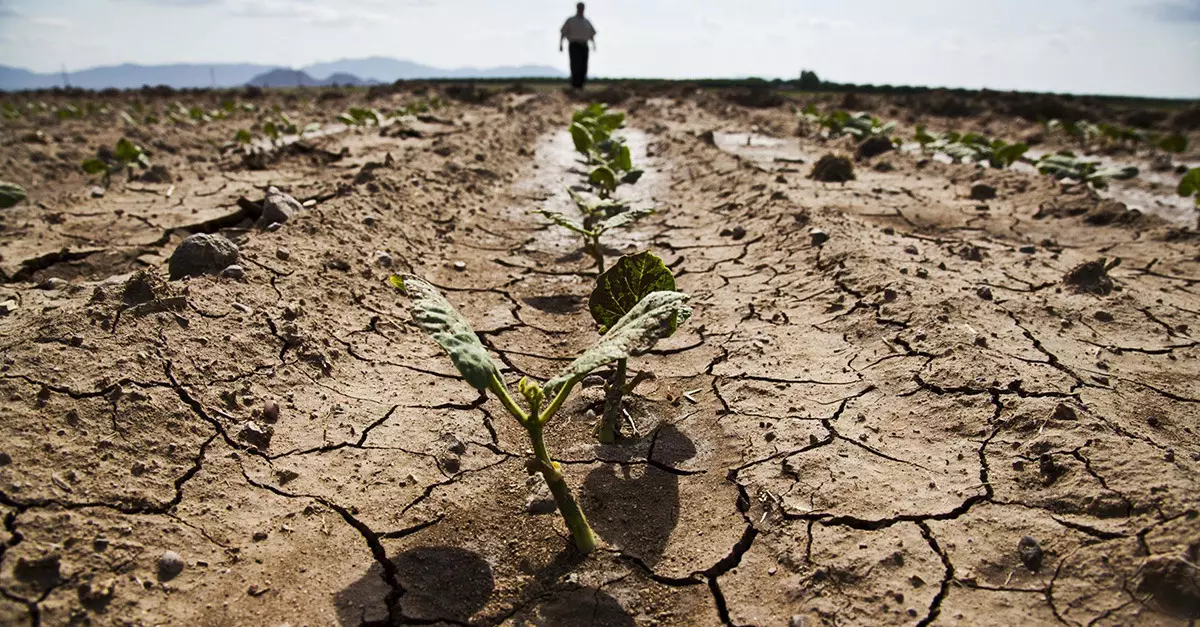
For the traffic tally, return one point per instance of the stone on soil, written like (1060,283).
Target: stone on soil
(202,253)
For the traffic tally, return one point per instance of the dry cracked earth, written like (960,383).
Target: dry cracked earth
(855,431)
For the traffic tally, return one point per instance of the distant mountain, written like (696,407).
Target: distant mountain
(299,78)
(131,76)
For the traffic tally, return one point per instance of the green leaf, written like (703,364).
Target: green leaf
(434,314)
(1173,143)
(654,317)
(242,137)
(563,221)
(126,151)
(346,118)
(623,285)
(621,219)
(632,176)
(624,160)
(611,121)
(95,166)
(604,178)
(1008,155)
(10,194)
(582,139)
(271,130)
(1189,185)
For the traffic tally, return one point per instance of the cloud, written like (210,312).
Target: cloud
(308,11)
(1178,11)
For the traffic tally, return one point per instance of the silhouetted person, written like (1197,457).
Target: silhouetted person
(578,31)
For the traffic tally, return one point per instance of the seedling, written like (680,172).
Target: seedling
(1189,185)
(653,318)
(356,116)
(592,234)
(125,157)
(607,156)
(618,291)
(836,123)
(971,147)
(1065,165)
(10,194)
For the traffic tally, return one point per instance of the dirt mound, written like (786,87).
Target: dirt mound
(1092,277)
(832,168)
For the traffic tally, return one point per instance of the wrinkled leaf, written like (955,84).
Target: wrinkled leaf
(582,139)
(95,166)
(623,285)
(437,317)
(654,317)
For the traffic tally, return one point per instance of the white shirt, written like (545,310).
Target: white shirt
(578,29)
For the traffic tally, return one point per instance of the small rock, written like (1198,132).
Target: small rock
(170,564)
(912,250)
(257,435)
(1030,553)
(5,458)
(818,236)
(259,536)
(283,254)
(278,208)
(202,253)
(460,266)
(383,259)
(53,283)
(338,264)
(983,191)
(455,445)
(799,621)
(922,273)
(540,500)
(1028,250)
(97,192)
(8,306)
(270,412)
(256,590)
(243,308)
(984,292)
(235,272)
(369,220)
(451,464)
(284,476)
(1103,316)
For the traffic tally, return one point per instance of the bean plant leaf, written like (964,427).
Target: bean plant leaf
(1173,143)
(621,219)
(624,160)
(654,317)
(1189,185)
(632,176)
(563,221)
(437,317)
(582,138)
(126,151)
(242,137)
(603,177)
(95,166)
(10,194)
(625,284)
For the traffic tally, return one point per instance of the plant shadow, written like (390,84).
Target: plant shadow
(636,507)
(442,583)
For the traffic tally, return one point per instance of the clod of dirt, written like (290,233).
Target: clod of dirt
(1091,277)
(884,166)
(52,283)
(1049,470)
(202,253)
(5,459)
(170,564)
(833,168)
(96,595)
(258,436)
(984,292)
(1064,412)
(278,207)
(1030,553)
(42,571)
(1111,212)
(874,146)
(818,236)
(1174,583)
(235,272)
(1103,316)
(383,259)
(156,174)
(736,233)
(143,287)
(983,191)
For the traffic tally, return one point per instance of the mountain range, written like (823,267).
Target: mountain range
(344,72)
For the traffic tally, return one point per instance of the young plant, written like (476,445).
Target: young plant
(654,317)
(618,291)
(1189,185)
(124,158)
(607,155)
(836,123)
(592,234)
(1065,165)
(971,147)
(356,116)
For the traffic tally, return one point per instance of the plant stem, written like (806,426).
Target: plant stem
(612,404)
(597,254)
(585,539)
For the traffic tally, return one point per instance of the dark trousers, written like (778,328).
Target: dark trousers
(579,59)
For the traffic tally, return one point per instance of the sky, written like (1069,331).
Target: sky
(1127,47)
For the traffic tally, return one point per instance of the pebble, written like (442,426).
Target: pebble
(53,283)
(383,259)
(170,564)
(283,254)
(278,208)
(984,292)
(234,272)
(983,191)
(818,236)
(270,412)
(1028,250)
(912,250)
(1103,316)
(1030,553)
(8,306)
(539,501)
(243,308)
(460,266)
(97,192)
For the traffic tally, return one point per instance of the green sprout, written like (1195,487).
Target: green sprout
(618,291)
(836,123)
(653,318)
(124,158)
(971,147)
(607,155)
(592,234)
(1189,185)
(1066,165)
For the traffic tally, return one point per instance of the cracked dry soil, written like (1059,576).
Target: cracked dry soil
(870,426)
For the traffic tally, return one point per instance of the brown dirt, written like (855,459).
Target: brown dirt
(860,432)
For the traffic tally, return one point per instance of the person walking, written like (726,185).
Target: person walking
(577,31)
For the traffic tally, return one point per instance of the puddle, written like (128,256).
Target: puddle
(765,150)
